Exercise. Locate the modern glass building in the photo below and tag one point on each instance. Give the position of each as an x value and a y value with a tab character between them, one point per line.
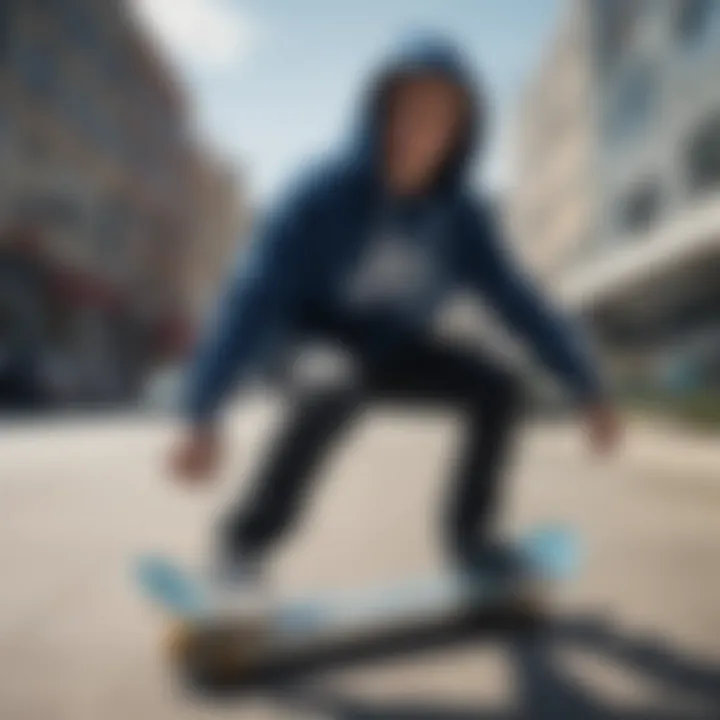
650	274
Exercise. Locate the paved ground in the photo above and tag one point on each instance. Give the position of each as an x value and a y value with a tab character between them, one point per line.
637	637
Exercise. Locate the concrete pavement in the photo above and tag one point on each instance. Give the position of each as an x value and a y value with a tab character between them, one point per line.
638	636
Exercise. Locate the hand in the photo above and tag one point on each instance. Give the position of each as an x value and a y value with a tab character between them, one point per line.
195	457
604	428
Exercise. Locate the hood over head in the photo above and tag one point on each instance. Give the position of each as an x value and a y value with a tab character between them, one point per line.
426	54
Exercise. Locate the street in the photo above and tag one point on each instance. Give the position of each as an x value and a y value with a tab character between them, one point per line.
636	636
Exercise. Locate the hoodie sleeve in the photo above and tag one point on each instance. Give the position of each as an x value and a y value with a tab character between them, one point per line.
255	306
490	270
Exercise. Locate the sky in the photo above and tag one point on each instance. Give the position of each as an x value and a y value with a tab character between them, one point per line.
274	82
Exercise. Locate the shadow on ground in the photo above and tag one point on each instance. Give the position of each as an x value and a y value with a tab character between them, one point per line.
690	688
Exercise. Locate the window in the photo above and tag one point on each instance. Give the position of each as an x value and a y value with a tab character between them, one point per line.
112	224
704	155
49	209
696	18
619	22
4	132
35	59
38	69
632	102
640	209
79	24
6	22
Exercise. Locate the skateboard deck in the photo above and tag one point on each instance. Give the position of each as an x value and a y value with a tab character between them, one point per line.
304	624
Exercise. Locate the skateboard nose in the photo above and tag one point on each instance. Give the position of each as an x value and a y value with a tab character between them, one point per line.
166	584
556	550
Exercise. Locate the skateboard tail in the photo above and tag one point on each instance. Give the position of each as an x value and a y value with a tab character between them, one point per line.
165	583
554	551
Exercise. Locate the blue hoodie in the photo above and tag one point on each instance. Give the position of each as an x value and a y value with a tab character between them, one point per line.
294	278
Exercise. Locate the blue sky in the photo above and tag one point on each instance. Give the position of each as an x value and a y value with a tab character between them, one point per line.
275	81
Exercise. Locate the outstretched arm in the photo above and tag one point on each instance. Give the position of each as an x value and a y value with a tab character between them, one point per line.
492	271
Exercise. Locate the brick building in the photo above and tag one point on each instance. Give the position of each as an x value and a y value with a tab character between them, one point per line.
95	202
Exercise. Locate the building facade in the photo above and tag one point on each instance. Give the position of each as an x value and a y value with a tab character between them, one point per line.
95	199
651	273
552	199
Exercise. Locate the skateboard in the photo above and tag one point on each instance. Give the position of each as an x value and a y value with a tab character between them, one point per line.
202	645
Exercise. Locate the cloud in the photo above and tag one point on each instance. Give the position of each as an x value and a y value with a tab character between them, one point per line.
204	35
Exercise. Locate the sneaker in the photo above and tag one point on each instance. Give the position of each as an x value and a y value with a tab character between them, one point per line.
498	562
236	592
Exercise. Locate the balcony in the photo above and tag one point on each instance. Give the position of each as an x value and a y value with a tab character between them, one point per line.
650	260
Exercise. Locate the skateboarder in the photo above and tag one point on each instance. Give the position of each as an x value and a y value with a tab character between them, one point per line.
360	254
